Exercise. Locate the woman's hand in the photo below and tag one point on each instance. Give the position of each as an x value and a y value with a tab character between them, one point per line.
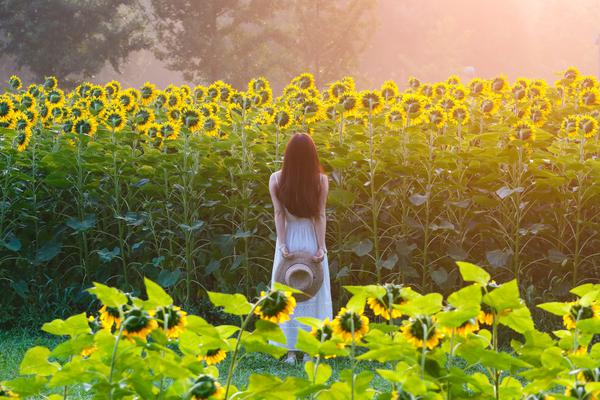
319	255
285	253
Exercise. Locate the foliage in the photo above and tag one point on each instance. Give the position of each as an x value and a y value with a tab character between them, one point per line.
70	38
233	40
111	185
135	348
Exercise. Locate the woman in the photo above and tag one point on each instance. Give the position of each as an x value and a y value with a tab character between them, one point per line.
299	194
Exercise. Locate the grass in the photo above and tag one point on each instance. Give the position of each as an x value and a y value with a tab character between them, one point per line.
14	343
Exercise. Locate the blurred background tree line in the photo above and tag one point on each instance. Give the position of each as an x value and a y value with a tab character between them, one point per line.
202	40
199	41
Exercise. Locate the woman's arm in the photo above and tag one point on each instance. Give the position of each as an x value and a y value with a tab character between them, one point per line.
320	220
279	213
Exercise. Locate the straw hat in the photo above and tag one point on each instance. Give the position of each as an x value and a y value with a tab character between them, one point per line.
302	273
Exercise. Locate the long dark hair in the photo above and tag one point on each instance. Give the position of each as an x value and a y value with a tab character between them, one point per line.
300	183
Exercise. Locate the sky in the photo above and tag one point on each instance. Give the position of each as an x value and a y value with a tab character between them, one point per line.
432	39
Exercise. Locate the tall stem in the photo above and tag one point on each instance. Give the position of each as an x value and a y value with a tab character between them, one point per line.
374	205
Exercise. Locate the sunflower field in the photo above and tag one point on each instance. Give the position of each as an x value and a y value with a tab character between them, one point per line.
420	346
111	184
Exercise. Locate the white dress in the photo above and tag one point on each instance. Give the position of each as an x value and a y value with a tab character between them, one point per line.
301	236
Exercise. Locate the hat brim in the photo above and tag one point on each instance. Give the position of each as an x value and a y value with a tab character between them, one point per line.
306	259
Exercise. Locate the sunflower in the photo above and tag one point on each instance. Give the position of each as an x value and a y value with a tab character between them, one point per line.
212	93
422	331
15	82
350	325
389	91
395	117
489	106
577	312
7	108
50	83
206	387
485	316
67	126
413	82
519	92
191	118
199	93
96	105
97	92
258	84
225	92
85	125
589	97
127	101
569	125
459	92
477	87
27	101
459	114
337	89
413	105
440	89
275	306
384	305
169	130
20	121
138	323
313	110
55	97
35	90
589	375
523	131
142	118
536	91
499	85
213	356
283	117
7	394
88	351
304	81
148	92
152	130
426	90
570	75
109	317
324	333
453	80
171	319
265	96
23	138
112	88
579	391
447	102
469	326
587	126
587	82
114	117
211	125
185	91
371	101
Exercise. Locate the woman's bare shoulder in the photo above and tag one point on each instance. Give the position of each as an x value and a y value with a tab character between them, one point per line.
275	176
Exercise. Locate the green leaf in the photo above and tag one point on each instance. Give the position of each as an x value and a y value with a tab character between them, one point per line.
556	308
518	319
473	273
423	305
84	225
157	297
589	325
48	251
72	326
35	362
363	247
321	375
503	297
110	297
235	304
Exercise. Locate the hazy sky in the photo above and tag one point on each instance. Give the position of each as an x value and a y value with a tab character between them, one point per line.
432	39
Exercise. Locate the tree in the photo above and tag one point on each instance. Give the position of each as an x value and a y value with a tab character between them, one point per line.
214	39
329	36
70	38
236	40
